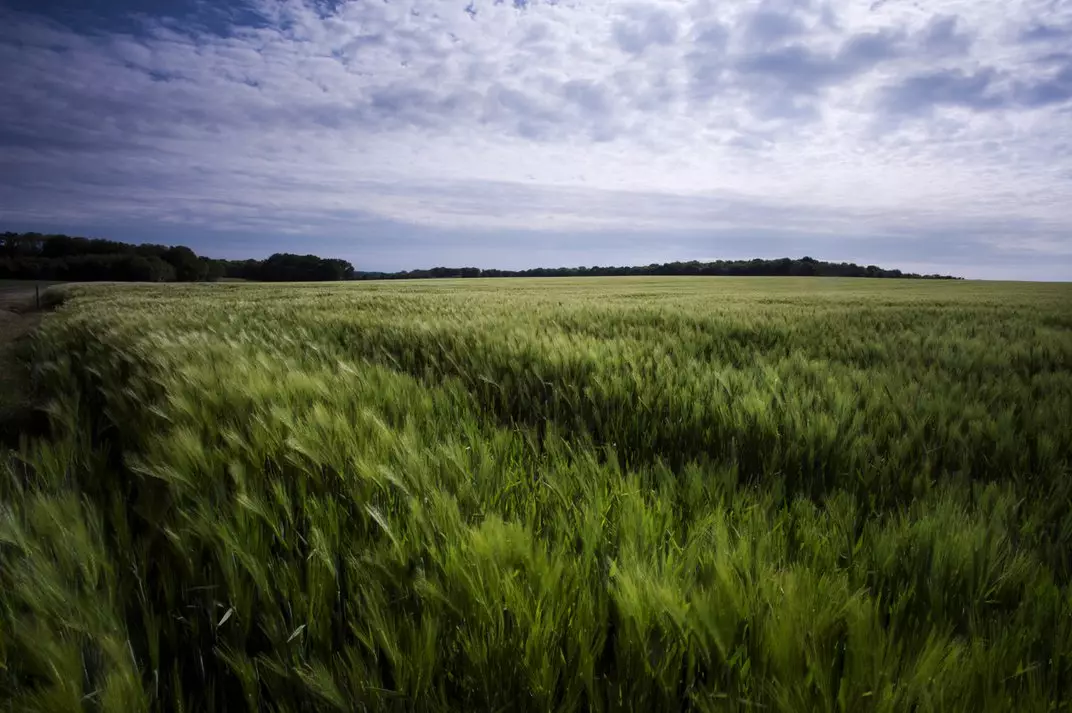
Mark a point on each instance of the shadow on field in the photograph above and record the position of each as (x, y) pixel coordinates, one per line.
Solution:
(20, 315)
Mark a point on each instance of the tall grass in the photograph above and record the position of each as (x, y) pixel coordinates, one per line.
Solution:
(533, 495)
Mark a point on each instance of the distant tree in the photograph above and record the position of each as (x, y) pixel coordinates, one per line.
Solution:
(287, 267)
(138, 268)
(213, 269)
(242, 269)
(188, 268)
(806, 266)
(63, 257)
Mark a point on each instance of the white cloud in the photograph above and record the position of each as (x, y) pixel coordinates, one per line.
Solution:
(666, 114)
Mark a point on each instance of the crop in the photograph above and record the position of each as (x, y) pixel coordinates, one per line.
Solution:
(599, 494)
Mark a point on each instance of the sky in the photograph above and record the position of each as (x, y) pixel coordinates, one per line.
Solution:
(926, 135)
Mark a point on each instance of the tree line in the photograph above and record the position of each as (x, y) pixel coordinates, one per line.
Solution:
(33, 256)
(782, 267)
(63, 258)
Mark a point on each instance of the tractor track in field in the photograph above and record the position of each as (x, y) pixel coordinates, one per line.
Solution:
(19, 317)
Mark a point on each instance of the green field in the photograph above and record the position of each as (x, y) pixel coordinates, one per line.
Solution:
(599, 494)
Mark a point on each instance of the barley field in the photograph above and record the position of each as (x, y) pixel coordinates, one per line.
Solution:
(720, 494)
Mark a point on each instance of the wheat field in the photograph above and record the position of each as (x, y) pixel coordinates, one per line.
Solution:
(597, 494)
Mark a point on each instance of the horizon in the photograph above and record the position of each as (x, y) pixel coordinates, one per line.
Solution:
(404, 134)
(421, 268)
(594, 266)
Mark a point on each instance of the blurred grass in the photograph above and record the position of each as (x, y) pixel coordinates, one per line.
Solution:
(598, 494)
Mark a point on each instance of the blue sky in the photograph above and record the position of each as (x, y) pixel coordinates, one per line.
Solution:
(931, 135)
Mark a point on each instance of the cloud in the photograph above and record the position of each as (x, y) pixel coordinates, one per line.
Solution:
(766, 27)
(775, 117)
(645, 26)
(925, 92)
(1054, 88)
(799, 69)
(706, 59)
(982, 90)
(1044, 32)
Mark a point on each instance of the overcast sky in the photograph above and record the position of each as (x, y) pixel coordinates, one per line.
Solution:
(931, 135)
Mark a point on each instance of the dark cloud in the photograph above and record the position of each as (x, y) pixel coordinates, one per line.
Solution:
(133, 15)
(943, 37)
(1054, 58)
(574, 107)
(785, 82)
(798, 69)
(527, 115)
(400, 104)
(645, 27)
(868, 49)
(1044, 32)
(920, 93)
(1053, 89)
(706, 60)
(985, 89)
(765, 27)
(795, 108)
(536, 33)
(593, 99)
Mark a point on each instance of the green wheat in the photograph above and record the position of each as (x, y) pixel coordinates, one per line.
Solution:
(602, 494)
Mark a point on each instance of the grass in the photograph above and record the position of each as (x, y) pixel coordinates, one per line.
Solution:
(599, 494)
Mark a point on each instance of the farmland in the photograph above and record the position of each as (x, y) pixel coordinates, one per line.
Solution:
(592, 494)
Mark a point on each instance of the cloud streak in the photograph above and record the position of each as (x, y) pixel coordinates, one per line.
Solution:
(767, 118)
